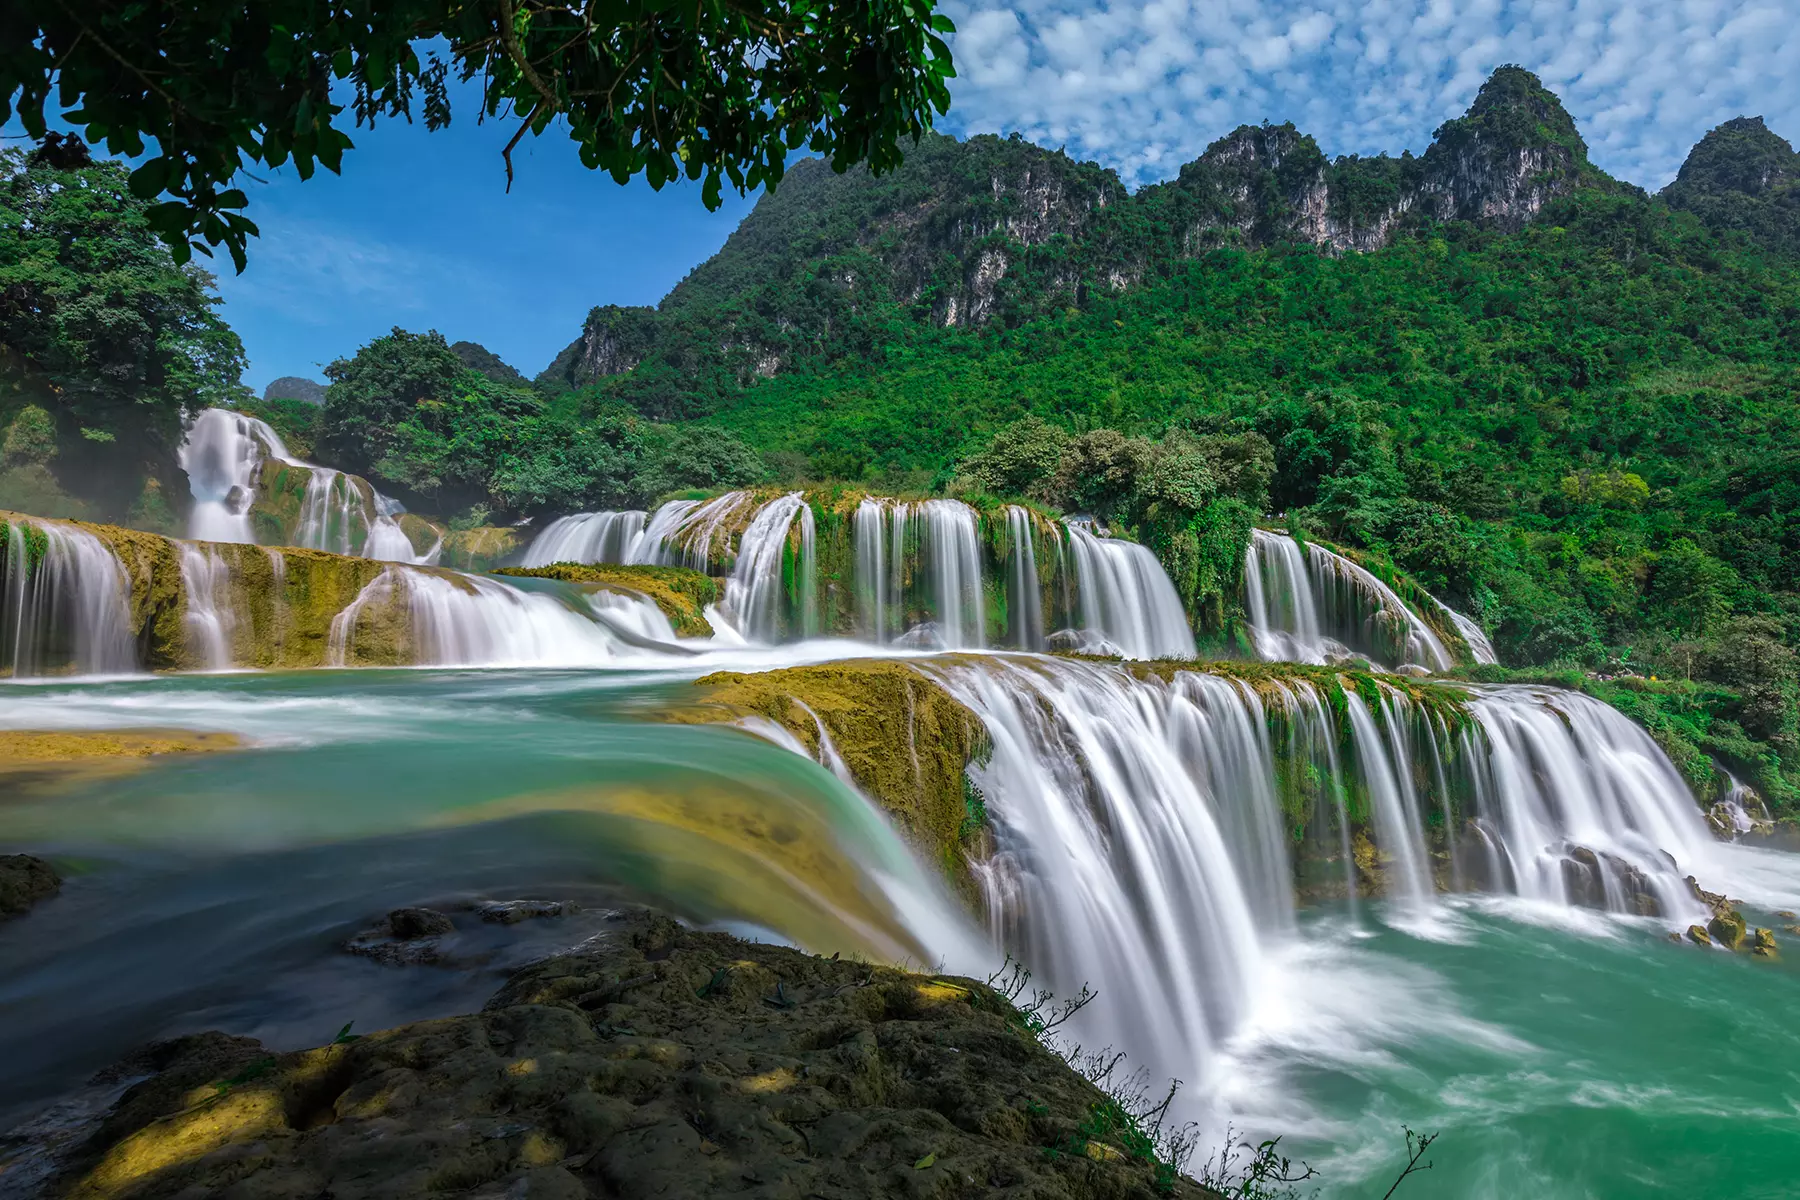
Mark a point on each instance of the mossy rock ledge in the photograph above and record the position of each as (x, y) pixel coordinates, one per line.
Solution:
(903, 739)
(682, 594)
(665, 1062)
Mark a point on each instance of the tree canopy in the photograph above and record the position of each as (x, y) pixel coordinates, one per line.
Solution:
(718, 91)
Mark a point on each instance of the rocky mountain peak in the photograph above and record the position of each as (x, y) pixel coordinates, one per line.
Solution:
(1741, 155)
(1745, 177)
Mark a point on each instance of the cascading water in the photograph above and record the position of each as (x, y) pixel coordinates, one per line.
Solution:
(1024, 598)
(65, 602)
(1126, 598)
(876, 585)
(210, 618)
(1318, 607)
(596, 537)
(456, 620)
(692, 533)
(953, 550)
(753, 592)
(1480, 648)
(1141, 825)
(222, 453)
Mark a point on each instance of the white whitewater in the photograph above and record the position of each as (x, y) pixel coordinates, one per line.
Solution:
(1317, 606)
(876, 587)
(753, 591)
(596, 537)
(952, 548)
(456, 620)
(70, 608)
(1024, 596)
(1480, 648)
(210, 618)
(1141, 845)
(222, 454)
(1126, 596)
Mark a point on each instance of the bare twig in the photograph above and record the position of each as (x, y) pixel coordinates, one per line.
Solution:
(1416, 1144)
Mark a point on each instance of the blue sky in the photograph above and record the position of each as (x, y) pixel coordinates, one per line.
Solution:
(419, 232)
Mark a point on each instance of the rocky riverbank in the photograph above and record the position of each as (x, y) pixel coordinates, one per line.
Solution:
(656, 1060)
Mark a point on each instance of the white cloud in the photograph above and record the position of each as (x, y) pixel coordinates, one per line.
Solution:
(1144, 87)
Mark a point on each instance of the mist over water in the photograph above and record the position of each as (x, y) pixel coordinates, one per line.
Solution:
(1141, 820)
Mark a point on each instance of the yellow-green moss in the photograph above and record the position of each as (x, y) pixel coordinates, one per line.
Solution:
(422, 533)
(480, 549)
(904, 739)
(680, 593)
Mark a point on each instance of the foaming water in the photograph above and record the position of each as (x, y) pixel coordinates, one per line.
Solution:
(596, 537)
(215, 889)
(1316, 606)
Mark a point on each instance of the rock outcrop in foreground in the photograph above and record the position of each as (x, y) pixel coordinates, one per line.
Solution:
(665, 1063)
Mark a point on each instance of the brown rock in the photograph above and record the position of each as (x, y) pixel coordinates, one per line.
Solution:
(24, 881)
(665, 1063)
(1699, 935)
(1764, 945)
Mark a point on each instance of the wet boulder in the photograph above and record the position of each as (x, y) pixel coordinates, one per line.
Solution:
(25, 880)
(406, 937)
(1764, 945)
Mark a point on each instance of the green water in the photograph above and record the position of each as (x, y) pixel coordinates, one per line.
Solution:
(1557, 1055)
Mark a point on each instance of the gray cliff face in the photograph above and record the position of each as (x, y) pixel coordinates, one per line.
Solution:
(1499, 165)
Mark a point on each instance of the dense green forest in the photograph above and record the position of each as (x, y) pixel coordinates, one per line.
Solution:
(1568, 407)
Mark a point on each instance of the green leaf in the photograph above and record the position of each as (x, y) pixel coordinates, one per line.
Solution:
(925, 1162)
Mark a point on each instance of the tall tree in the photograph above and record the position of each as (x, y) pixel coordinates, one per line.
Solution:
(718, 90)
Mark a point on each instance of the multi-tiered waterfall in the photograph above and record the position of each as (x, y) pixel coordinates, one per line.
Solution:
(922, 574)
(65, 602)
(226, 455)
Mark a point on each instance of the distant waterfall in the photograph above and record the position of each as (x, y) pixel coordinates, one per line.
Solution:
(65, 602)
(1141, 825)
(596, 537)
(1480, 649)
(947, 529)
(1316, 606)
(456, 620)
(693, 533)
(222, 454)
(330, 512)
(919, 575)
(877, 587)
(1126, 597)
(1024, 597)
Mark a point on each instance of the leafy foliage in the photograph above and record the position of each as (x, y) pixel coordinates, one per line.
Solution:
(717, 92)
(407, 412)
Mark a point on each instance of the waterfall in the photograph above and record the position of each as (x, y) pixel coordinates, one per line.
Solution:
(1563, 770)
(953, 554)
(222, 453)
(1024, 599)
(692, 533)
(1321, 607)
(457, 620)
(1141, 826)
(65, 602)
(1480, 649)
(875, 589)
(209, 618)
(596, 537)
(753, 591)
(329, 511)
(1126, 598)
